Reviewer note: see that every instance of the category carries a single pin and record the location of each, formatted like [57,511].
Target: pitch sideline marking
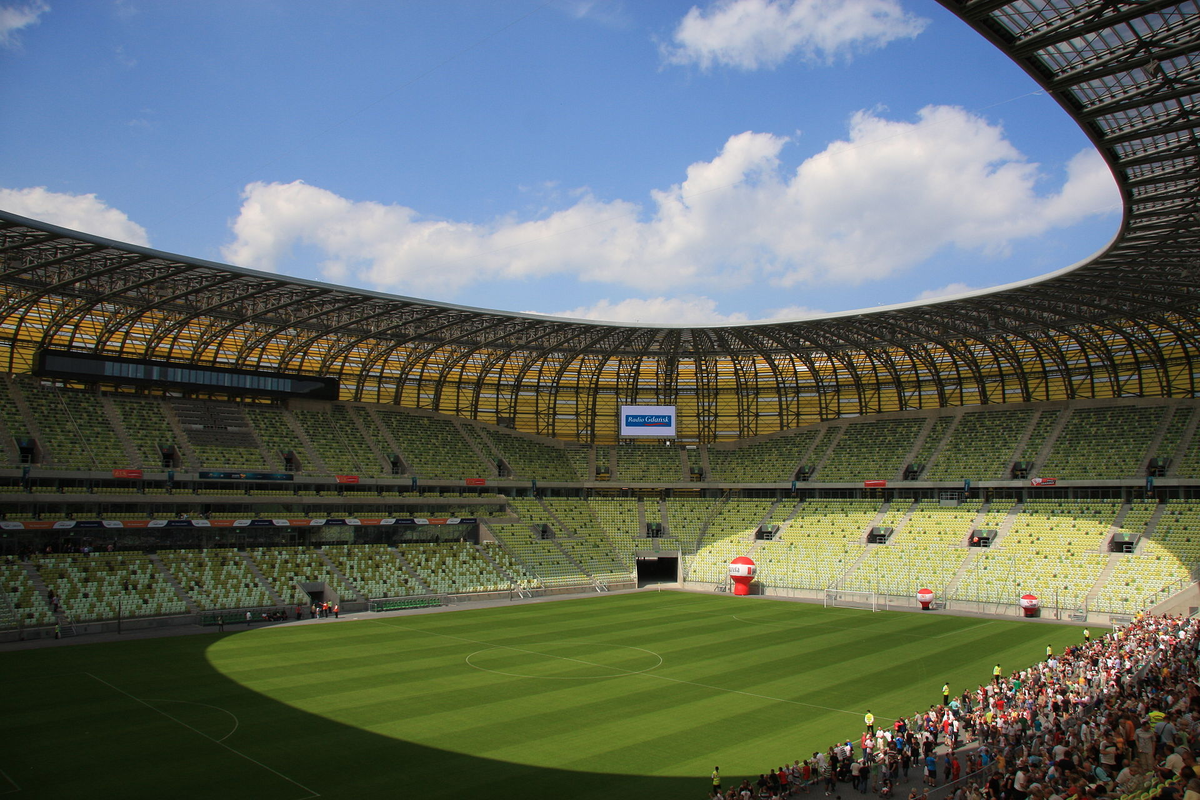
[236,721]
[620,671]
[647,674]
[16,786]
[236,752]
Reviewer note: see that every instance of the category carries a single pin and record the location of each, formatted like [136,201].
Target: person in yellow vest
[946,693]
[996,674]
[1087,635]
[716,784]
[870,720]
[1049,651]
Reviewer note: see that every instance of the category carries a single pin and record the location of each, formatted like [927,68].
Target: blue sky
[668,162]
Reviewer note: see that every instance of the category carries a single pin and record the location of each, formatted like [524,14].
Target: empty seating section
[1041,431]
[1053,550]
[453,568]
[579,458]
[219,435]
[75,429]
[101,586]
[824,538]
[374,569]
[338,441]
[730,533]
[925,553]
[28,606]
[433,447]
[520,577]
[277,436]
[932,441]
[286,568]
[871,450]
[1174,432]
[532,459]
[685,518]
[11,414]
[586,541]
[823,447]
[1106,442]
[980,447]
[1153,565]
[618,518]
[148,429]
[541,558]
[216,578]
[775,459]
[645,462]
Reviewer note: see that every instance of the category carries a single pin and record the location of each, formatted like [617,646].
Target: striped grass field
[631,696]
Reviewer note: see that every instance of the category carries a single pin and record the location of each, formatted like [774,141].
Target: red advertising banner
[874,484]
[1043,481]
[476,481]
[135,474]
[346,478]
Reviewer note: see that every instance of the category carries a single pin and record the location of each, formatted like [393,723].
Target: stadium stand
[647,463]
[980,447]
[871,449]
[1100,443]
[216,578]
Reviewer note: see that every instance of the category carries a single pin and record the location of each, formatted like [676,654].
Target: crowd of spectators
[1115,717]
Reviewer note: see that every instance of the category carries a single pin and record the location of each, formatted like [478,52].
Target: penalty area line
[217,742]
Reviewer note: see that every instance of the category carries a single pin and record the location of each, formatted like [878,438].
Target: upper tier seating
[644,462]
[532,459]
[869,450]
[980,447]
[219,435]
[76,429]
[150,429]
[433,447]
[773,459]
[1106,442]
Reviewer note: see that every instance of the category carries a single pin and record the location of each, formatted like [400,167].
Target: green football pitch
[633,695]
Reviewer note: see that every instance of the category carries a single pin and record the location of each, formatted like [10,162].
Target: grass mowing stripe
[217,742]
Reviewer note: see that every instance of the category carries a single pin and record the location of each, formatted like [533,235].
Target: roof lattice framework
[1123,324]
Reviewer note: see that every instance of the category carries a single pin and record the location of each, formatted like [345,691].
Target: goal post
[841,598]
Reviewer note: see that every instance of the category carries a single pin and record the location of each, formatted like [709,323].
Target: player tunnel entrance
[657,568]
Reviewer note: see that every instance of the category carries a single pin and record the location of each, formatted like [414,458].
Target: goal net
[846,599]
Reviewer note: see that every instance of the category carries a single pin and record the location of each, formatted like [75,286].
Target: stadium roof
[1123,323]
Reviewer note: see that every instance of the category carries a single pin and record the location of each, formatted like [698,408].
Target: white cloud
[949,290]
[685,310]
[889,196]
[14,19]
[752,34]
[79,212]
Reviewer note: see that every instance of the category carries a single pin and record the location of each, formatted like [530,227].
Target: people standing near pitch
[716,782]
[869,719]
[336,609]
[248,617]
[996,674]
[946,693]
